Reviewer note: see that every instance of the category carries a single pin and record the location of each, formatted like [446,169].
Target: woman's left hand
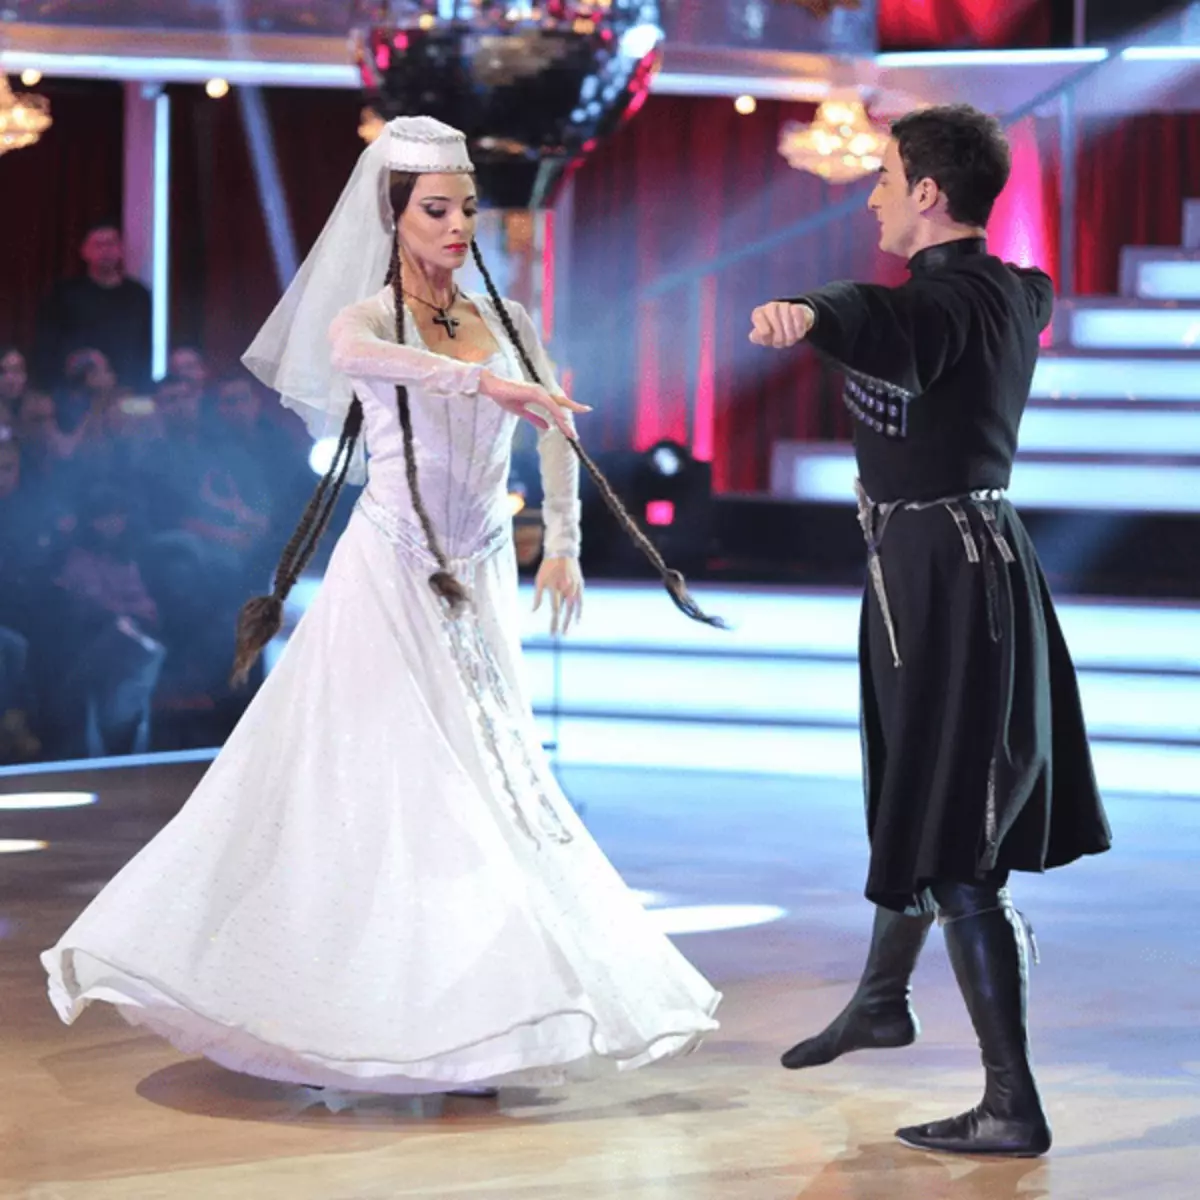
[560,577]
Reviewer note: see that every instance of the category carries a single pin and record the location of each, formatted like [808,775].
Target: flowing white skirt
[378,884]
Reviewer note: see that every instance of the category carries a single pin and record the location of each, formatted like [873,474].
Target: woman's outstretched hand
[531,402]
[562,578]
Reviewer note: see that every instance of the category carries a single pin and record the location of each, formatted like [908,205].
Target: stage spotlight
[320,457]
[217,89]
[20,801]
[20,845]
[668,458]
[673,493]
[31,77]
[639,41]
[745,105]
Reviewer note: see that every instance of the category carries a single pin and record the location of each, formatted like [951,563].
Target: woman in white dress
[378,885]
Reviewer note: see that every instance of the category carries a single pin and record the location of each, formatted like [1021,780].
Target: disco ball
[534,87]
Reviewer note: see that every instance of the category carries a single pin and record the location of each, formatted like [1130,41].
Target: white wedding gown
[378,884]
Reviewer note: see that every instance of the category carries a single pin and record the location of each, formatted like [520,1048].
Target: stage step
[779,693]
[1123,428]
[1191,224]
[767,689]
[1113,323]
[824,473]
[1117,376]
[1127,428]
[1160,273]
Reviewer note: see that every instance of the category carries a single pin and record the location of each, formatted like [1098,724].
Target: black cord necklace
[444,319]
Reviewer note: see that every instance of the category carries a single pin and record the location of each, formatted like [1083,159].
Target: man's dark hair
[963,150]
[96,226]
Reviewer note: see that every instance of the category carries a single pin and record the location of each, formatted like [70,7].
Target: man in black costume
[976,760]
[102,310]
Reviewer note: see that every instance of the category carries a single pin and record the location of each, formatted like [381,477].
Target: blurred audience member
[90,388]
[107,664]
[18,557]
[186,362]
[14,382]
[104,310]
[49,464]
[37,428]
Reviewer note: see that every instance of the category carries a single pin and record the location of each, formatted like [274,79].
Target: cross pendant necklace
[444,319]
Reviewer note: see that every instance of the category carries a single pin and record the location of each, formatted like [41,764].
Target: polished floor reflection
[103,1112]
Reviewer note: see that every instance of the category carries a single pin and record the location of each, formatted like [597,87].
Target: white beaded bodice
[463,440]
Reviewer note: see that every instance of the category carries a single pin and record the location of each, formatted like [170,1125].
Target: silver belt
[410,538]
[874,518]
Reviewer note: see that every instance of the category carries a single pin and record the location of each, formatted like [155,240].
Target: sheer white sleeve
[560,467]
[363,341]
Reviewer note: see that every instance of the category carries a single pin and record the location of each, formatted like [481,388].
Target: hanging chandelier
[24,117]
[841,145]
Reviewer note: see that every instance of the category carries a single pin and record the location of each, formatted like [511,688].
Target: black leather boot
[985,940]
[879,1014]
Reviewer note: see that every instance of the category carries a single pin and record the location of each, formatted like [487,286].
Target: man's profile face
[894,205]
[103,250]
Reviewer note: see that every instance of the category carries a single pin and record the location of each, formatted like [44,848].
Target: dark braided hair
[442,580]
[261,618]
[673,580]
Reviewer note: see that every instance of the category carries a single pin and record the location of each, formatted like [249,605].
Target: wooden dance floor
[102,1112]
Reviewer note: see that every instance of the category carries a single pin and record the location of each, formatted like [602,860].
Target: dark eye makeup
[439,213]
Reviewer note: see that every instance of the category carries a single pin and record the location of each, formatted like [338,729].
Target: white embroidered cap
[423,146]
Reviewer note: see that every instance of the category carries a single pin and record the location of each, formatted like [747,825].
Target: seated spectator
[108,662]
[14,377]
[188,364]
[205,480]
[37,428]
[50,463]
[14,382]
[18,742]
[198,530]
[89,390]
[29,539]
[134,427]
[18,613]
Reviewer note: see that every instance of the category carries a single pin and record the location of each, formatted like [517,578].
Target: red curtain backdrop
[52,191]
[1134,176]
[1024,224]
[688,181]
[224,281]
[921,24]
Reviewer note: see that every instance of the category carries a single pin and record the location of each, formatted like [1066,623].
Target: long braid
[261,618]
[673,580]
[442,580]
